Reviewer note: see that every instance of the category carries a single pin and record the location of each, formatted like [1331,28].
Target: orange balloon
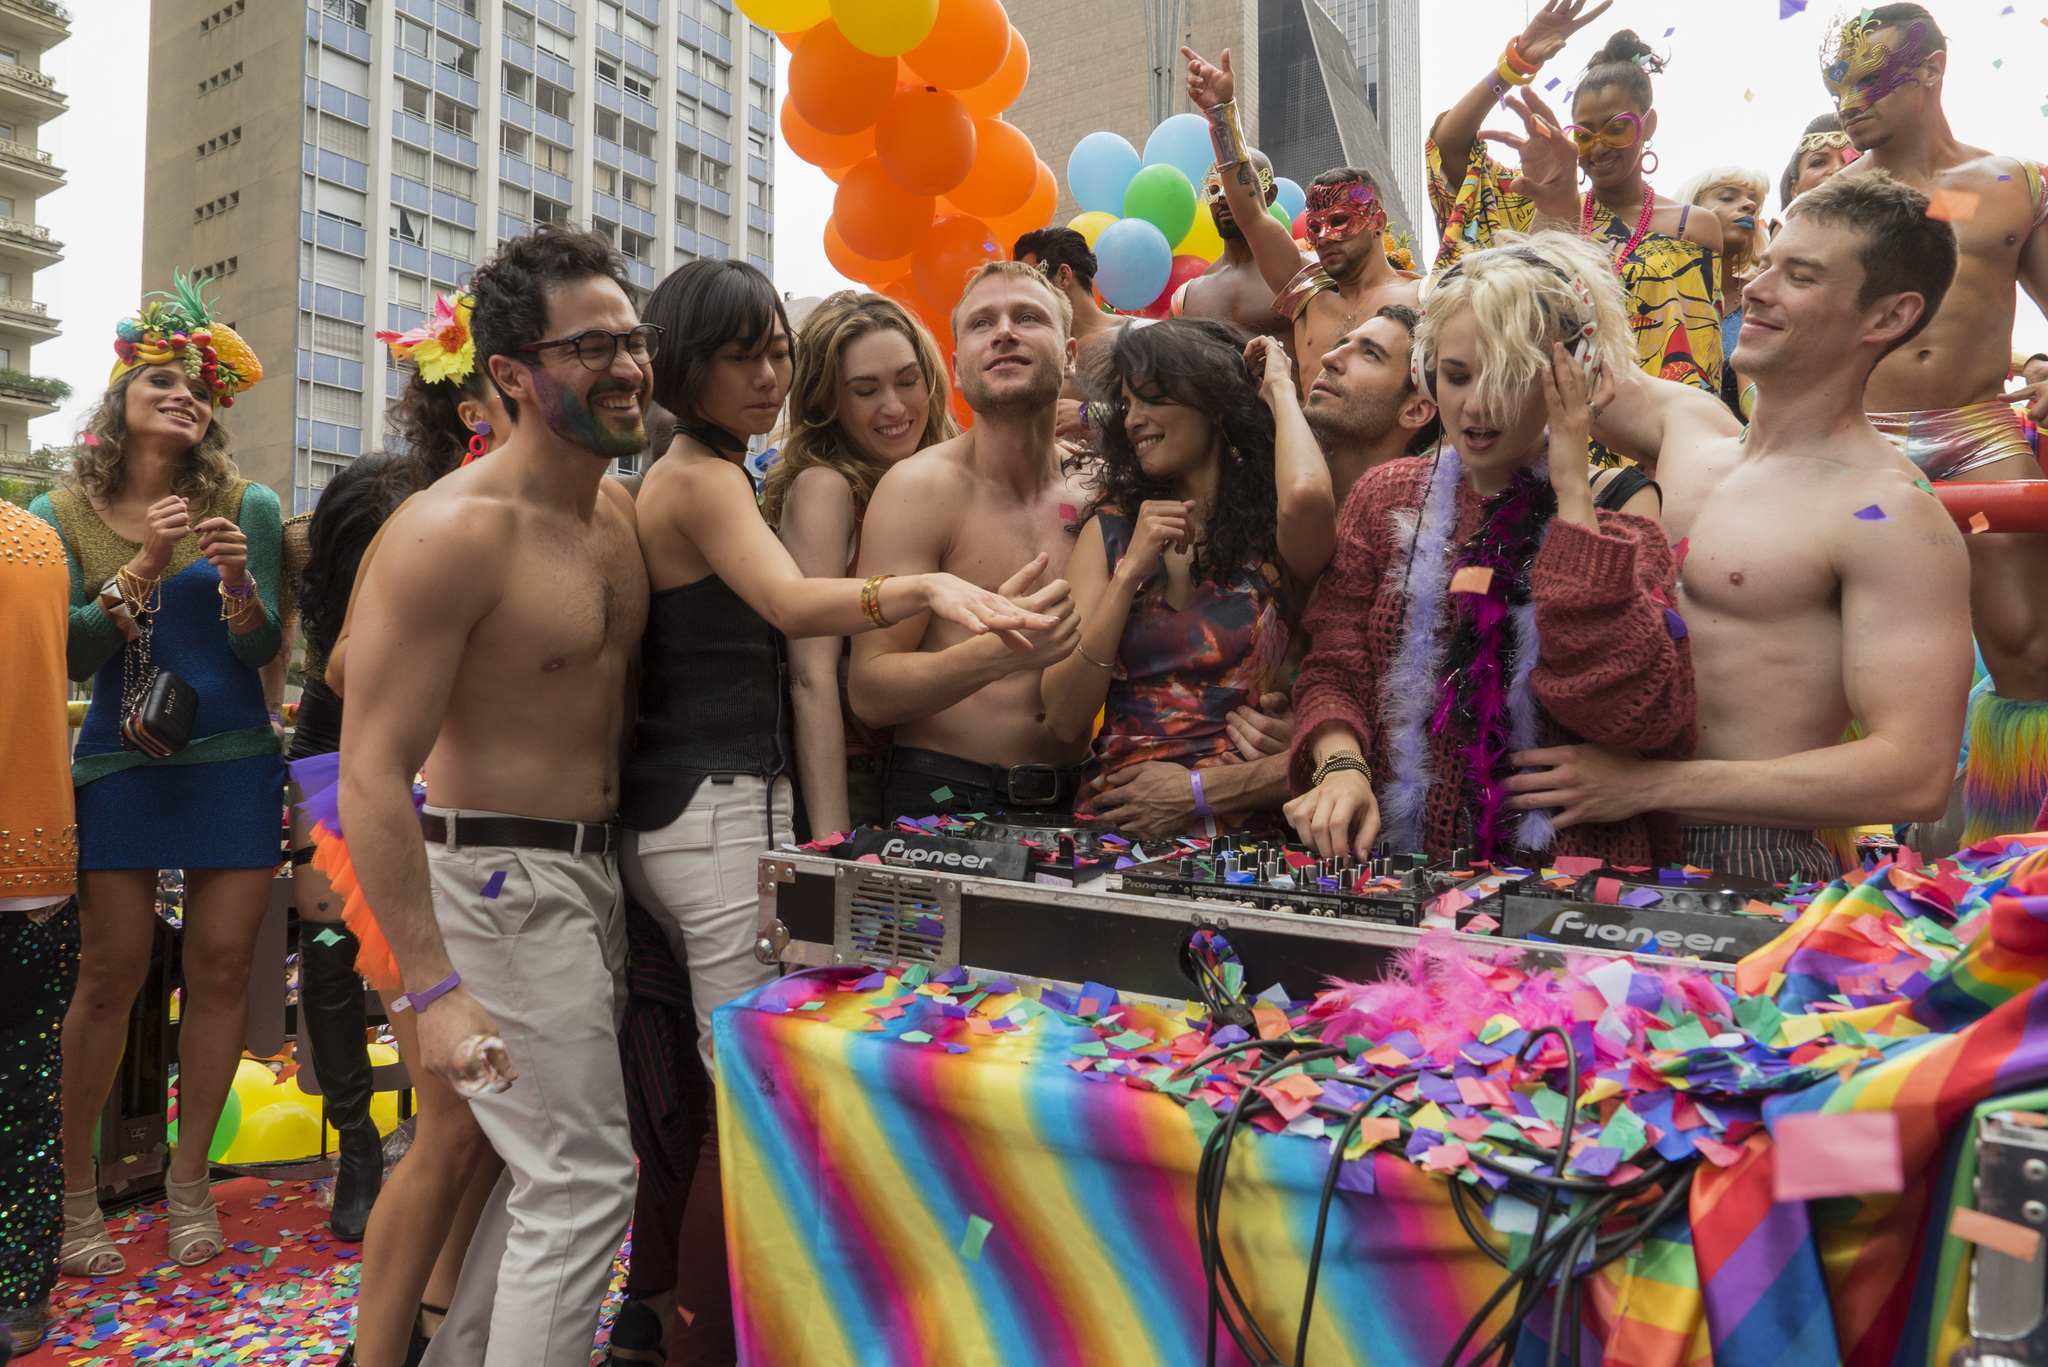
[966,46]
[838,88]
[950,252]
[905,77]
[957,403]
[790,40]
[877,217]
[926,141]
[1036,213]
[854,266]
[835,174]
[1004,175]
[1001,90]
[936,321]
[822,149]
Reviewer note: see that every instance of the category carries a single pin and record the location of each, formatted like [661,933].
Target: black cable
[1356,1118]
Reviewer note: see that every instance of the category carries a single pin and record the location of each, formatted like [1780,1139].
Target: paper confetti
[1979,523]
[1472,579]
[327,936]
[1953,206]
[1749,95]
[1997,62]
[1788,8]
[1850,1153]
[495,884]
[1873,514]
[1552,84]
[1988,1231]
[1068,513]
[942,794]
[976,1235]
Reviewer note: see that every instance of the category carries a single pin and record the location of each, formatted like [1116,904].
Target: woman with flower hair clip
[1479,604]
[447,415]
[174,562]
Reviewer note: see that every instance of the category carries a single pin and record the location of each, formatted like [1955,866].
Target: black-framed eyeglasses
[597,348]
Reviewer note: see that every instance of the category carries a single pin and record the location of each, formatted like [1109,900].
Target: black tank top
[711,701]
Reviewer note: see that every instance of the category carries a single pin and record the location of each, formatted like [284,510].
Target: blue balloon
[1292,198]
[1099,170]
[1182,141]
[1133,262]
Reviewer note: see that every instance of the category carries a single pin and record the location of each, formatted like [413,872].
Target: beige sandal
[88,1250]
[195,1235]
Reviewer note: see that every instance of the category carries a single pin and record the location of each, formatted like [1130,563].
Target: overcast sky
[1720,52]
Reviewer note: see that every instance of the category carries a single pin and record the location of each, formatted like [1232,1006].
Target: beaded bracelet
[1340,761]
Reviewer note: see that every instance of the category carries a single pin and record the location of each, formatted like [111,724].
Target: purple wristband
[241,590]
[420,1001]
[1202,807]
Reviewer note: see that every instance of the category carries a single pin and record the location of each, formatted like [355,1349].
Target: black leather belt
[1019,785]
[456,831]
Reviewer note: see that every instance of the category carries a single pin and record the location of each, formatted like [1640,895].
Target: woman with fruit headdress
[174,563]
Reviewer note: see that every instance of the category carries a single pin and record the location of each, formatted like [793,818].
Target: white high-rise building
[427,133]
[1386,41]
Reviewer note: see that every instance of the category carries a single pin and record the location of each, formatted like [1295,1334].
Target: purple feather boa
[1496,701]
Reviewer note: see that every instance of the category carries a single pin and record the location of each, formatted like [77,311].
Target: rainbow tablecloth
[861,1161]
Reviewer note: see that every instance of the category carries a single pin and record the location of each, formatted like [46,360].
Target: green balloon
[1285,221]
[1163,197]
[223,1133]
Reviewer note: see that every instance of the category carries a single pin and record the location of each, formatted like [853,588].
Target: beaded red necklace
[1636,238]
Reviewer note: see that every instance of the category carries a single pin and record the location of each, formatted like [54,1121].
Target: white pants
[698,876]
[546,956]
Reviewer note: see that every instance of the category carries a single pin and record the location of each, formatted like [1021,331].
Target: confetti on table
[976,1235]
[1873,514]
[1472,579]
[1953,206]
[1979,523]
[942,794]
[495,885]
[915,1037]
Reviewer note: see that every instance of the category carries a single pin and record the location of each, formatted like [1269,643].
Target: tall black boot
[331,1005]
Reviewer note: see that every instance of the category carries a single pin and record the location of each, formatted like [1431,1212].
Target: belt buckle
[1049,777]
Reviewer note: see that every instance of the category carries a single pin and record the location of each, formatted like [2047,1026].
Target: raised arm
[1212,89]
[712,504]
[432,580]
[817,527]
[1548,30]
[1306,529]
[891,680]
[1640,415]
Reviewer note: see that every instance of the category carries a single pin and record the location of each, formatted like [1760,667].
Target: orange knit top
[38,834]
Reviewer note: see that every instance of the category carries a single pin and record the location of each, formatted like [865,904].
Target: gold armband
[1225,136]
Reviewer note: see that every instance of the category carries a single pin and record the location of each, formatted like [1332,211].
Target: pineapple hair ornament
[178,328]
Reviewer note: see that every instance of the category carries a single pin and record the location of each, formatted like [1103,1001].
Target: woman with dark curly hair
[1197,552]
[174,565]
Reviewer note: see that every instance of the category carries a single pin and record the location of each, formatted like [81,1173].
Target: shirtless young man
[489,638]
[966,710]
[1233,287]
[1818,580]
[1940,401]
[1350,278]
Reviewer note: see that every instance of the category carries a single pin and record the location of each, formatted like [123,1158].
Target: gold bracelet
[1226,136]
[871,601]
[232,605]
[135,591]
[1341,759]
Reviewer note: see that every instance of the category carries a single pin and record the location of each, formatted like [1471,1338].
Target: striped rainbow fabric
[855,1160]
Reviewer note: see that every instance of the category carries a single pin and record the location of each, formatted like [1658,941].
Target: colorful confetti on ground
[283,1293]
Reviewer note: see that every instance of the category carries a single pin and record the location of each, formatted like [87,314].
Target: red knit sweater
[1610,669]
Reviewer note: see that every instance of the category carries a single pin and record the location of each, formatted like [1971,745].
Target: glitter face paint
[576,420]
[1862,72]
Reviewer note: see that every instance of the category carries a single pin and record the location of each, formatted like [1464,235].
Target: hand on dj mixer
[1149,801]
[1338,816]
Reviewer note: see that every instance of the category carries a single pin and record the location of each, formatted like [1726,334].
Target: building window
[714,173]
[409,226]
[206,149]
[761,43]
[609,230]
[411,163]
[453,115]
[686,212]
[211,83]
[546,210]
[758,145]
[343,406]
[349,139]
[354,13]
[457,57]
[515,142]
[718,73]
[716,124]
[639,194]
[718,20]
[459,181]
[417,39]
[761,196]
[338,338]
[409,290]
[608,71]
[640,140]
[212,208]
[686,160]
[222,15]
[686,58]
[518,84]
[713,222]
[549,157]
[637,246]
[413,100]
[607,124]
[518,27]
[757,242]
[459,243]
[686,110]
[551,100]
[516,201]
[554,42]
[636,84]
[640,31]
[212,272]
[604,180]
[760,98]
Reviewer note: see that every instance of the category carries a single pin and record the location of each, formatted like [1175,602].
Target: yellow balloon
[256,1086]
[1091,224]
[384,1110]
[1202,240]
[885,28]
[786,16]
[277,1133]
[381,1054]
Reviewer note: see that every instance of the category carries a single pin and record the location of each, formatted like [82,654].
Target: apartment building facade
[330,167]
[29,99]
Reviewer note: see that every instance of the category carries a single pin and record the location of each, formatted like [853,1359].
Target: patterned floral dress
[1671,282]
[1180,671]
